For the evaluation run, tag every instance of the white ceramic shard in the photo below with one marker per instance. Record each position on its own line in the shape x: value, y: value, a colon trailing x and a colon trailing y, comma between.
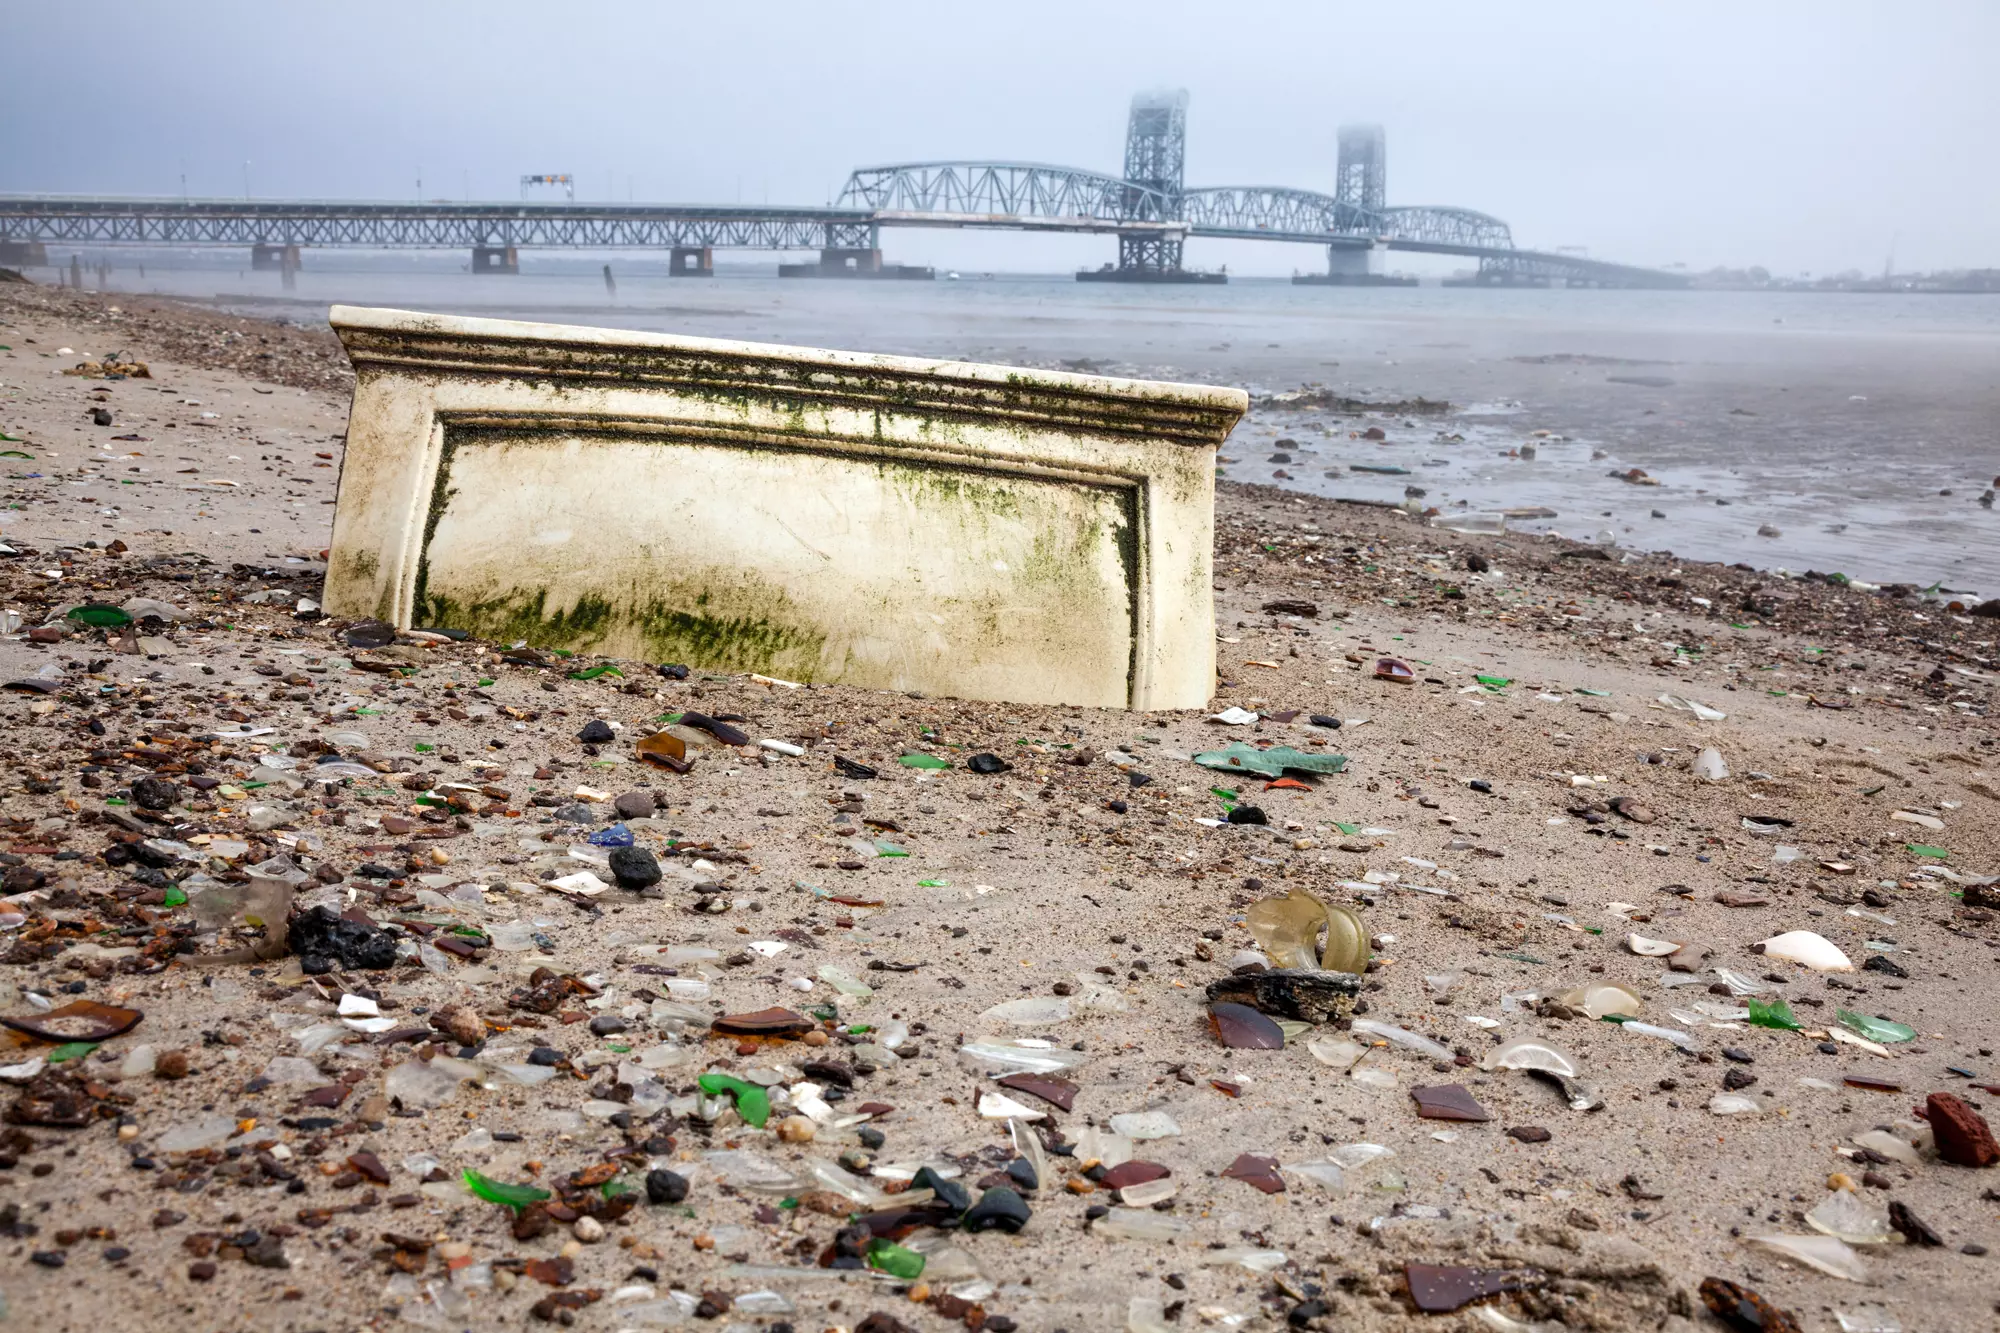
x: 1650, y: 948
x: 1529, y: 1053
x: 1827, y: 1254
x: 1599, y: 998
x: 1733, y: 1103
x: 1338, y: 1052
x: 881, y: 521
x: 1809, y: 950
x: 1843, y: 1214
x: 1145, y: 1125
x: 1891, y: 1146
x: 1403, y: 1037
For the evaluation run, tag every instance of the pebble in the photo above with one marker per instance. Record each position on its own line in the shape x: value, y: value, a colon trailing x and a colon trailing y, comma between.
x: 587, y: 1229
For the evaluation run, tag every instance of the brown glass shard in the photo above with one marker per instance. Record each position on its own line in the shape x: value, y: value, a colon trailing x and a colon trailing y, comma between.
x: 1127, y: 1174
x: 1262, y: 1172
x: 1442, y: 1288
x: 764, y: 1023
x: 555, y: 1272
x: 1743, y: 1309
x: 1059, y: 1092
x: 1448, y: 1101
x: 664, y: 749
x: 83, y: 1020
x: 716, y: 727
x: 1242, y: 1028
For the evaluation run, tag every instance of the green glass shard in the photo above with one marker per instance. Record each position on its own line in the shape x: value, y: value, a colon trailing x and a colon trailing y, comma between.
x: 1271, y: 763
x: 1776, y: 1014
x: 71, y: 1050
x: 1924, y: 848
x: 176, y: 896
x: 1876, y: 1029
x: 893, y: 1259
x: 516, y: 1197
x: 926, y: 761
x: 99, y: 617
x: 592, y: 673
x: 752, y: 1102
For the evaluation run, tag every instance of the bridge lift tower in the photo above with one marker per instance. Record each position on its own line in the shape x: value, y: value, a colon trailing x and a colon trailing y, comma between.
x: 1149, y: 248
x: 1361, y: 181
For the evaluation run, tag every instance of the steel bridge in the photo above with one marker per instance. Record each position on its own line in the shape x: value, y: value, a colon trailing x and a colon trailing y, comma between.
x: 1148, y: 208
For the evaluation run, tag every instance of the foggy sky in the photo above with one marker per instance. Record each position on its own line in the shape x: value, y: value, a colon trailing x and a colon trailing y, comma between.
x: 1798, y: 134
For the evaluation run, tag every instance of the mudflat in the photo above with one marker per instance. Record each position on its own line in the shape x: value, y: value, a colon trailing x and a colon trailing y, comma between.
x: 1523, y: 814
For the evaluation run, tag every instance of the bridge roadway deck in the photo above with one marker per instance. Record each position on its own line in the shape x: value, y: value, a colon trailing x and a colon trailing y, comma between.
x: 73, y: 220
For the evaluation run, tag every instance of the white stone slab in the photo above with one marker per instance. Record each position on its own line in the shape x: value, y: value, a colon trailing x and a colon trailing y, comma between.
x: 883, y: 521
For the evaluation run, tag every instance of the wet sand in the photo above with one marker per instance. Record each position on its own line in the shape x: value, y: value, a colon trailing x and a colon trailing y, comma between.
x: 1842, y: 706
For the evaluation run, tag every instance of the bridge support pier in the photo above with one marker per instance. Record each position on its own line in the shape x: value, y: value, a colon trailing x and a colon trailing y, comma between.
x: 274, y: 258
x: 691, y: 261
x: 854, y: 262
x: 1148, y: 256
x: 1350, y: 266
x: 23, y: 254
x: 495, y: 259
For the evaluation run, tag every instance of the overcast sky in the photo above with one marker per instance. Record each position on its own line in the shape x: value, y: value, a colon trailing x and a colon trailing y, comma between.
x: 1798, y: 134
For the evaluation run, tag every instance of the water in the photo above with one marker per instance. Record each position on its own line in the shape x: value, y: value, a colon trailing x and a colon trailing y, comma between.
x: 1834, y: 421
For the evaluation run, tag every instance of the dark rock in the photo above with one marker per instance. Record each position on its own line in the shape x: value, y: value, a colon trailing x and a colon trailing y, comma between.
x: 155, y: 793
x: 370, y: 634
x: 1247, y: 814
x: 606, y: 1025
x: 1738, y: 1078
x: 546, y: 1056
x: 1530, y: 1134
x: 634, y: 805
x: 324, y: 941
x: 1912, y: 1227
x: 1024, y: 1175
x: 987, y: 763
x: 951, y: 1193
x: 998, y: 1208
x: 664, y: 1186
x: 1477, y: 563
x: 1880, y: 963
x: 674, y: 671
x: 1308, y: 995
x: 596, y: 732
x: 634, y: 867
x: 1325, y: 720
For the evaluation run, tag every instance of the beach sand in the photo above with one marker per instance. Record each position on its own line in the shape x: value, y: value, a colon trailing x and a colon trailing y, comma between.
x: 1842, y: 708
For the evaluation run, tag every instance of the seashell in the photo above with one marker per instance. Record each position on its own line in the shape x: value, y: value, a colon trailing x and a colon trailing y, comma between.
x: 1803, y: 947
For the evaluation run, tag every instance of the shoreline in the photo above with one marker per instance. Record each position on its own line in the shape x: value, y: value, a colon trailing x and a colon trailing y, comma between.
x: 1497, y: 839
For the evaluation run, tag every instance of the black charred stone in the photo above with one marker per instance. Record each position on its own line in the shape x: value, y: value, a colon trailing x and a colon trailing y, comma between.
x: 324, y: 941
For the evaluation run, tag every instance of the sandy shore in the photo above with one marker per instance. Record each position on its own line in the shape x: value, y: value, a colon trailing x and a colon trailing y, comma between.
x: 1462, y: 830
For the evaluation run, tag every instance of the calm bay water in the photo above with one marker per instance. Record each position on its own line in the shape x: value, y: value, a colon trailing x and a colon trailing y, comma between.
x: 1833, y: 421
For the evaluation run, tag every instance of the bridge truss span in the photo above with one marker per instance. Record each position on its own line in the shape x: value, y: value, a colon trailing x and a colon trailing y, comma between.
x: 1275, y: 212
x: 1445, y: 226
x: 1028, y: 191
x: 198, y: 222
